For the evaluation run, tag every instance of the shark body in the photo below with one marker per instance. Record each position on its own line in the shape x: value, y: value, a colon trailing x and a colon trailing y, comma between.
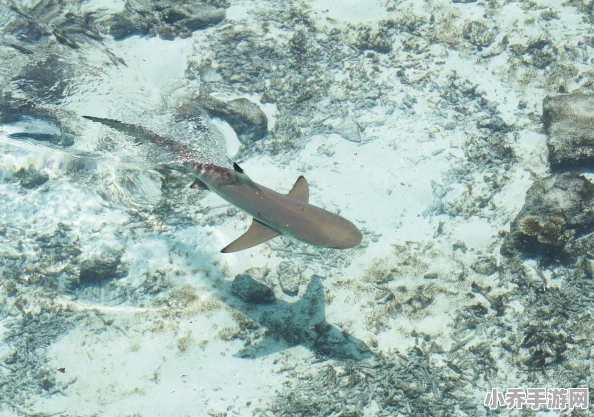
x: 274, y: 213
x: 277, y: 214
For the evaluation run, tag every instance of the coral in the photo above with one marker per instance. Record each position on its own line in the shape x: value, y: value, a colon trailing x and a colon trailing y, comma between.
x: 531, y: 225
x: 479, y: 34
x: 550, y: 231
x: 543, y: 347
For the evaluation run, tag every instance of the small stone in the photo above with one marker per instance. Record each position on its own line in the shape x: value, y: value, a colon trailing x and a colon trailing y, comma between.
x: 248, y: 289
x: 31, y: 178
x: 106, y: 266
x: 288, y: 278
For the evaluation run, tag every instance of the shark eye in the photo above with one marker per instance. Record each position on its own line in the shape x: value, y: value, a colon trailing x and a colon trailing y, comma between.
x: 361, y: 347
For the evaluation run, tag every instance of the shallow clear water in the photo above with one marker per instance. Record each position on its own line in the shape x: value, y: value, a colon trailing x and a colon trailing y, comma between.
x: 419, y: 122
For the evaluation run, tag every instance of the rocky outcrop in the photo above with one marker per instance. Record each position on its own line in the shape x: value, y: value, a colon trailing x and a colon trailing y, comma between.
x: 245, y: 117
x: 557, y: 210
x: 569, y: 123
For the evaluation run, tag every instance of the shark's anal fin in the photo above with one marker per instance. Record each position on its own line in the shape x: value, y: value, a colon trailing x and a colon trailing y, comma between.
x: 256, y: 234
x: 199, y: 184
x: 300, y: 190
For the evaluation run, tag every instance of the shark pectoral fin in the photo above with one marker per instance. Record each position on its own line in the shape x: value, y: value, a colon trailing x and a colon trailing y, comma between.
x: 256, y: 234
x: 199, y: 184
x: 300, y: 190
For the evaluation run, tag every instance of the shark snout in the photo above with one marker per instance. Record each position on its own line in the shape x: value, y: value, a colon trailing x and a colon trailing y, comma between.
x: 355, y: 237
x: 349, y: 238
x: 334, y: 232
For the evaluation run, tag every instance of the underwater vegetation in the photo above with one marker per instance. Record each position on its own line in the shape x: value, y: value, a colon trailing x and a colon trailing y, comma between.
x: 165, y: 19
x: 60, y: 18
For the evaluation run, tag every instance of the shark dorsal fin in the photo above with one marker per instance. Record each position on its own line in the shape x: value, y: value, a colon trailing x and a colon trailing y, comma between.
x: 300, y: 190
x: 243, y: 178
x: 256, y: 234
x: 237, y: 168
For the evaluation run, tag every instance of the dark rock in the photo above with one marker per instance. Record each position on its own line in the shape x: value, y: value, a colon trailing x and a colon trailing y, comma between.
x: 45, y: 80
x: 543, y: 347
x: 204, y: 16
x: 123, y: 26
x: 173, y: 14
x: 581, y: 247
x: 540, y: 54
x: 494, y: 124
x: 247, y: 119
x: 250, y: 290
x: 558, y: 209
x: 106, y: 266
x: 569, y: 124
x: 478, y: 34
x: 168, y: 21
x: 31, y: 178
x: 374, y: 40
x: 486, y: 265
x: 60, y: 245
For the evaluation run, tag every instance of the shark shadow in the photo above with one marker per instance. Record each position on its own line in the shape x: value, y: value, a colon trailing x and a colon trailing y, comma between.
x: 299, y: 323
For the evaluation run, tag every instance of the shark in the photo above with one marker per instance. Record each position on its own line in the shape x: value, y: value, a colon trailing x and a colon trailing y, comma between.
x: 288, y: 324
x: 274, y: 214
